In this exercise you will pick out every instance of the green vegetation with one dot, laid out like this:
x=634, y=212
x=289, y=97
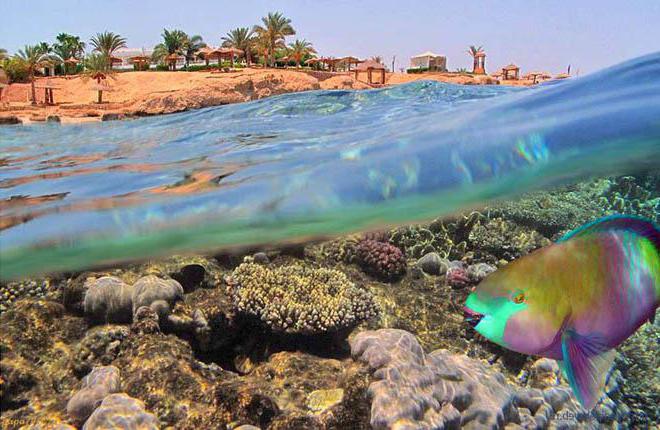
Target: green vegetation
x=68, y=47
x=299, y=50
x=34, y=57
x=272, y=33
x=474, y=51
x=173, y=44
x=417, y=70
x=241, y=38
x=107, y=43
x=191, y=46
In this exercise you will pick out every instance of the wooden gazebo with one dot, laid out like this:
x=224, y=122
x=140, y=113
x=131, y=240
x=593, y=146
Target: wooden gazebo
x=510, y=72
x=171, y=61
x=369, y=66
x=220, y=54
x=350, y=61
x=480, y=63
x=114, y=61
x=140, y=61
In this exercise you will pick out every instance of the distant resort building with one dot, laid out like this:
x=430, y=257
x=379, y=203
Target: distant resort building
x=429, y=61
x=123, y=58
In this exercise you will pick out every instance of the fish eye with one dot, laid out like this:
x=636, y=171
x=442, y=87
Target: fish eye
x=519, y=298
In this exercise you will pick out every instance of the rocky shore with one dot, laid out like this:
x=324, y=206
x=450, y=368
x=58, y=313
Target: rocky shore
x=360, y=332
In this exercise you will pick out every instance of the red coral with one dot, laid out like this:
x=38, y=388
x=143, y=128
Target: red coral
x=457, y=276
x=381, y=259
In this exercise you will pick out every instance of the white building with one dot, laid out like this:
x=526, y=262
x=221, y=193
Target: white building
x=429, y=60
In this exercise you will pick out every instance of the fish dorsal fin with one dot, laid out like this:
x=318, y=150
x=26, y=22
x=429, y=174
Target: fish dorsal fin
x=633, y=224
x=586, y=362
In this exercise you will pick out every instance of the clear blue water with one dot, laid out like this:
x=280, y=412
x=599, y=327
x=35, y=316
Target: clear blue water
x=312, y=164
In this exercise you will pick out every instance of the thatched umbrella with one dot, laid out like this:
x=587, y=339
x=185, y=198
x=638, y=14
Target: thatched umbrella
x=139, y=60
x=172, y=60
x=231, y=52
x=350, y=60
x=101, y=88
x=48, y=88
x=369, y=66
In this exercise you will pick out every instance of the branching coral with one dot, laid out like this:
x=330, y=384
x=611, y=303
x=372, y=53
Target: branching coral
x=297, y=299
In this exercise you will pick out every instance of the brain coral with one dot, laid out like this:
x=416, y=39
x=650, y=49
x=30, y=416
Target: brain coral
x=100, y=382
x=297, y=299
x=108, y=299
x=119, y=411
x=441, y=390
x=381, y=259
x=159, y=294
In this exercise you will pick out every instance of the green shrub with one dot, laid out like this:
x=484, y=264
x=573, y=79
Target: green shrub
x=162, y=67
x=200, y=67
x=17, y=70
x=418, y=70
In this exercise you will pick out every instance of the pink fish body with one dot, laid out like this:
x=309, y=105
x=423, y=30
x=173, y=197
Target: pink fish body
x=576, y=300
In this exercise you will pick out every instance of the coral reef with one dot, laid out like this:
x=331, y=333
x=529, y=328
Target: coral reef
x=433, y=264
x=120, y=411
x=380, y=259
x=457, y=275
x=100, y=382
x=159, y=294
x=108, y=299
x=505, y=239
x=38, y=289
x=297, y=299
x=412, y=389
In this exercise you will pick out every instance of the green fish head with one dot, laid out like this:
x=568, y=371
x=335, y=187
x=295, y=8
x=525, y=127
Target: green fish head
x=503, y=310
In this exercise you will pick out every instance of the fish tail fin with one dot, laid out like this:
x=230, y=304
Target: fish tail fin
x=586, y=363
x=638, y=225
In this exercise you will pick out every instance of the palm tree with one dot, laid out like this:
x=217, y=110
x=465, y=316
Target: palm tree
x=97, y=67
x=273, y=31
x=191, y=46
x=174, y=42
x=241, y=38
x=68, y=46
x=473, y=51
x=300, y=49
x=107, y=43
x=34, y=57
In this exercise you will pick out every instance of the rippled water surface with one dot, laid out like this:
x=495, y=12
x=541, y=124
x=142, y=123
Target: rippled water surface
x=309, y=164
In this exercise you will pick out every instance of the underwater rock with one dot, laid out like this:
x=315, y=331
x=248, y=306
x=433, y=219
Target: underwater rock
x=477, y=272
x=321, y=400
x=121, y=412
x=159, y=294
x=544, y=373
x=101, y=382
x=381, y=259
x=300, y=300
x=261, y=258
x=10, y=120
x=433, y=264
x=108, y=299
x=505, y=239
x=99, y=347
x=162, y=371
x=190, y=271
x=145, y=321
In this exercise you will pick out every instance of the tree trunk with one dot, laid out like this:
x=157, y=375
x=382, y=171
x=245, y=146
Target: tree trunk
x=34, y=91
x=100, y=98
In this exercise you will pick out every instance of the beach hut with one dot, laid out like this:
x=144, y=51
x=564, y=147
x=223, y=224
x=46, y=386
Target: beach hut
x=115, y=61
x=140, y=62
x=348, y=61
x=429, y=61
x=479, y=63
x=230, y=53
x=370, y=66
x=171, y=60
x=510, y=72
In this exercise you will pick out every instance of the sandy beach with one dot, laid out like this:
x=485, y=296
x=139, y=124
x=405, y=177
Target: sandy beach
x=154, y=93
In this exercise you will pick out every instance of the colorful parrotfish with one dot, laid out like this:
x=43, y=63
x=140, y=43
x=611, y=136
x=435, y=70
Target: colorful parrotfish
x=576, y=300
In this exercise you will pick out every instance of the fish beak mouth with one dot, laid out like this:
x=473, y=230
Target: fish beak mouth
x=471, y=317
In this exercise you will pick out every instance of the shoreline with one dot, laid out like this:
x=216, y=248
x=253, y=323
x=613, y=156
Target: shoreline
x=137, y=94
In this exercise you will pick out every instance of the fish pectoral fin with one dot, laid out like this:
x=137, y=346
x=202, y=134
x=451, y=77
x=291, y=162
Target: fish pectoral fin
x=586, y=362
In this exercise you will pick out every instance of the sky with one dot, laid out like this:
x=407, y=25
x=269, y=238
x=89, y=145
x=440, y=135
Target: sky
x=536, y=35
